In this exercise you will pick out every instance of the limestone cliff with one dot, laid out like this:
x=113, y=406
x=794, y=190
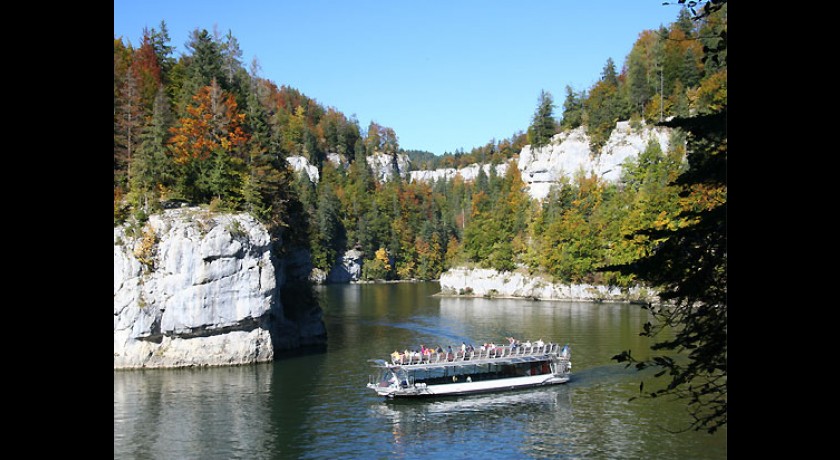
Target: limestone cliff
x=195, y=288
x=383, y=166
x=491, y=283
x=567, y=153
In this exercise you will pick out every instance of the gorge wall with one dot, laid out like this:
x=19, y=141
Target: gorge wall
x=567, y=153
x=195, y=288
x=540, y=168
x=478, y=282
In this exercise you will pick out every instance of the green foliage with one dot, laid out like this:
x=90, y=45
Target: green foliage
x=543, y=125
x=378, y=268
x=425, y=228
x=602, y=113
x=689, y=268
x=608, y=74
x=572, y=109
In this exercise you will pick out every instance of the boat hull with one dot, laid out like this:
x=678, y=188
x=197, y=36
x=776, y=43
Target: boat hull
x=463, y=388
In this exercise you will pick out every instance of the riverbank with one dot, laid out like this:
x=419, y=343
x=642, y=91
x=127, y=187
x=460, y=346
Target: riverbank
x=482, y=282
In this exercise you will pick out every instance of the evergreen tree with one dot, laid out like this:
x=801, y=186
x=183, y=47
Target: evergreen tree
x=691, y=73
x=328, y=235
x=602, y=112
x=543, y=125
x=608, y=73
x=152, y=168
x=159, y=40
x=638, y=81
x=266, y=186
x=128, y=114
x=684, y=23
x=201, y=66
x=572, y=110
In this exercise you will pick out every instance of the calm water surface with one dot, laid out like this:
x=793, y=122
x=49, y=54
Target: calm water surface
x=316, y=406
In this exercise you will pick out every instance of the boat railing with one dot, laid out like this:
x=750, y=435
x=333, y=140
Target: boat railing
x=499, y=351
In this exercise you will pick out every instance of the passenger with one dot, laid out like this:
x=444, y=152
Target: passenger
x=439, y=349
x=449, y=355
x=395, y=356
x=539, y=343
x=527, y=344
x=512, y=341
x=463, y=349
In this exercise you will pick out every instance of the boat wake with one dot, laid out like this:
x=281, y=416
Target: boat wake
x=430, y=328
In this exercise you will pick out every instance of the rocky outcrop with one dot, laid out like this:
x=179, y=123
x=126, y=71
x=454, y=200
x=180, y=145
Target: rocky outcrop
x=338, y=160
x=301, y=164
x=567, y=153
x=383, y=166
x=491, y=283
x=468, y=173
x=195, y=288
x=348, y=269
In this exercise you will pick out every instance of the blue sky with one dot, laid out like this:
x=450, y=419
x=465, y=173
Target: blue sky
x=443, y=74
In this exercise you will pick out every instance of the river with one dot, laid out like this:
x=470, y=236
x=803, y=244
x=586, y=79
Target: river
x=316, y=406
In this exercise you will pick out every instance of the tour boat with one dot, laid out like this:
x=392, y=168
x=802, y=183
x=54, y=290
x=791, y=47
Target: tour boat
x=486, y=369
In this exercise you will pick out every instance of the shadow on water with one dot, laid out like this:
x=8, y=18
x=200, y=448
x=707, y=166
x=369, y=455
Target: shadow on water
x=302, y=351
x=599, y=375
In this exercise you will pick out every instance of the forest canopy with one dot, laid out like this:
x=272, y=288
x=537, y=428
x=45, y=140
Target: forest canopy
x=207, y=129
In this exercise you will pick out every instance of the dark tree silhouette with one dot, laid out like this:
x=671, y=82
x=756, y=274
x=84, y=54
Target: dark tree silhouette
x=689, y=268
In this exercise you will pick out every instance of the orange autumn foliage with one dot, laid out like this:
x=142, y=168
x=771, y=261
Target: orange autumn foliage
x=212, y=122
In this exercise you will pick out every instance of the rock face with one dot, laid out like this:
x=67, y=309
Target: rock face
x=383, y=166
x=348, y=268
x=199, y=289
x=301, y=164
x=567, y=153
x=468, y=173
x=491, y=283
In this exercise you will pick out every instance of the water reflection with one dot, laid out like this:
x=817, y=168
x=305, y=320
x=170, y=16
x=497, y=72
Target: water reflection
x=605, y=328
x=500, y=422
x=316, y=406
x=192, y=413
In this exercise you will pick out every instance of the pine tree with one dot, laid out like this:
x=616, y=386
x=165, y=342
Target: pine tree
x=543, y=125
x=608, y=73
x=128, y=113
x=152, y=169
x=638, y=81
x=572, y=110
x=201, y=66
